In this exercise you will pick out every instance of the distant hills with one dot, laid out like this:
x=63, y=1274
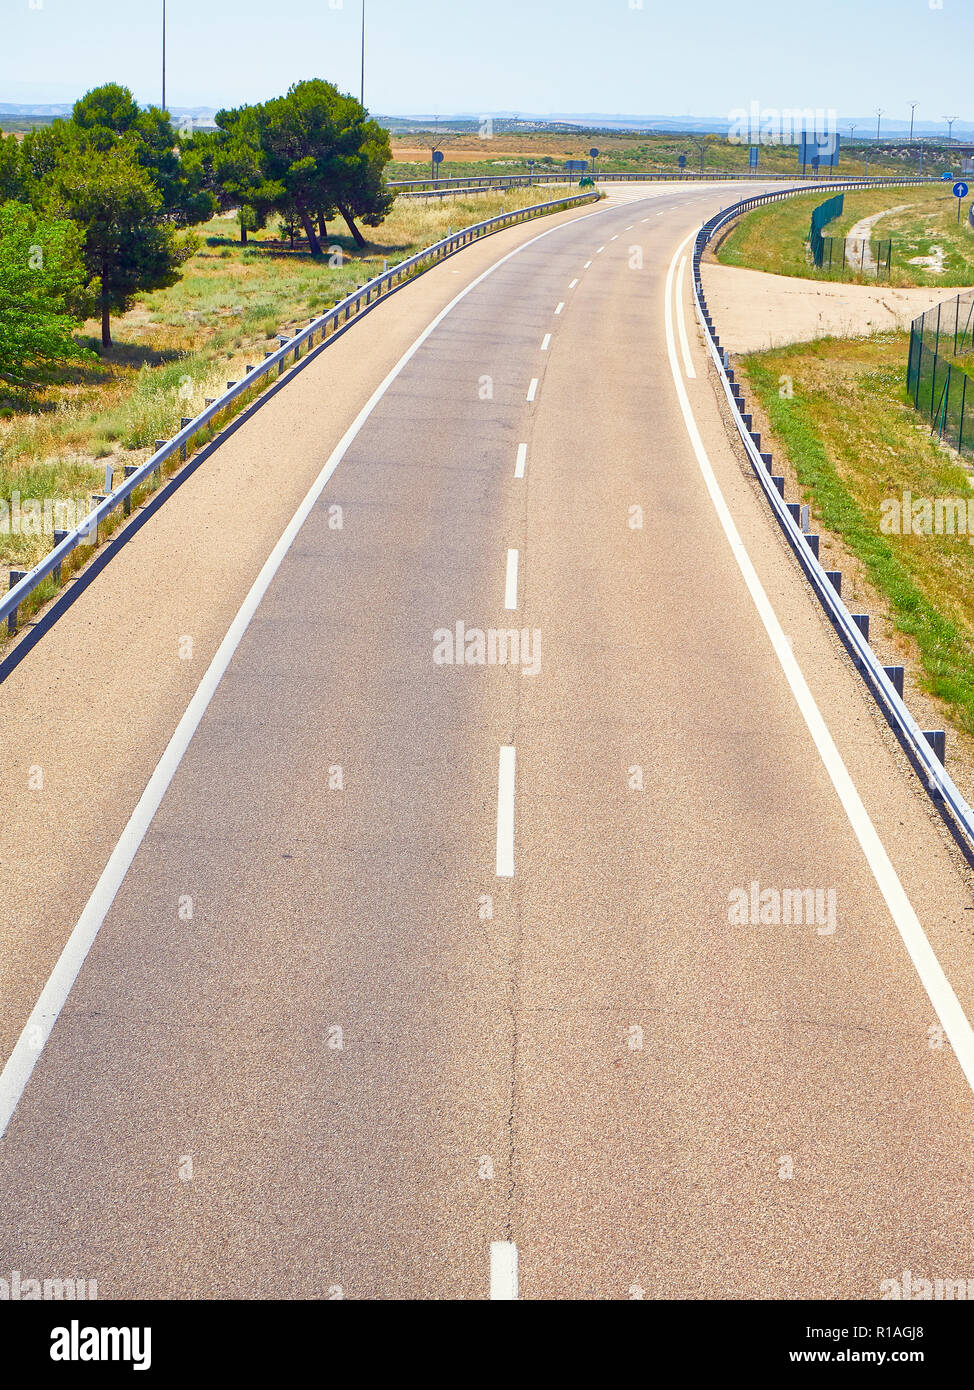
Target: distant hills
x=579, y=120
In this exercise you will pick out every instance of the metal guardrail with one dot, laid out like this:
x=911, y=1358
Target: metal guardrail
x=884, y=682
x=22, y=584
x=458, y=190
x=459, y=183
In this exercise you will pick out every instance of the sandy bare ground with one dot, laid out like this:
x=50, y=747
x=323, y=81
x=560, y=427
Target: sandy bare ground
x=859, y=252
x=754, y=311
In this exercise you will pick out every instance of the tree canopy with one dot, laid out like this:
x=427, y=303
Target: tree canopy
x=129, y=245
x=315, y=151
x=44, y=294
x=102, y=201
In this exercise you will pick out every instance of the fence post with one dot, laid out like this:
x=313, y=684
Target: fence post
x=945, y=401
x=963, y=400
x=936, y=355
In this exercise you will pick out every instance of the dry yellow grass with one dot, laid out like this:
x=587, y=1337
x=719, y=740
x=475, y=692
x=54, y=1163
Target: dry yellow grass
x=178, y=346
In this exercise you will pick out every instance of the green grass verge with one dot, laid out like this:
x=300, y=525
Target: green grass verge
x=853, y=440
x=774, y=238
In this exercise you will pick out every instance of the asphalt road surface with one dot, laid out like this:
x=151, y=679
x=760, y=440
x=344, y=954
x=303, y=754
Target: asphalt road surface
x=424, y=970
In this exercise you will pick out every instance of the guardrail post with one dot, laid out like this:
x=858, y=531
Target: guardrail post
x=861, y=621
x=835, y=579
x=161, y=444
x=896, y=674
x=15, y=577
x=97, y=498
x=184, y=422
x=937, y=740
x=128, y=470
x=58, y=538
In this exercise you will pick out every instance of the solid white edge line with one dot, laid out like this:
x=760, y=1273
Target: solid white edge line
x=939, y=989
x=503, y=1271
x=546, y=342
x=681, y=322
x=533, y=388
x=510, y=582
x=506, y=763
x=522, y=455
x=36, y=1031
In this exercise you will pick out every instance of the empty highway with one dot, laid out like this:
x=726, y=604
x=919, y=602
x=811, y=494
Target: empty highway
x=371, y=965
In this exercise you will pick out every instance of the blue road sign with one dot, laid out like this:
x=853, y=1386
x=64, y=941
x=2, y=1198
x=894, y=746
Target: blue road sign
x=437, y=156
x=817, y=149
x=574, y=165
x=594, y=154
x=682, y=161
x=960, y=190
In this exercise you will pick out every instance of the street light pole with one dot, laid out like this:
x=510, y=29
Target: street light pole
x=879, y=117
x=163, y=55
x=363, y=52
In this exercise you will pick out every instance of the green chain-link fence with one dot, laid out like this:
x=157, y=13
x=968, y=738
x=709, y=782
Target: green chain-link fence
x=936, y=378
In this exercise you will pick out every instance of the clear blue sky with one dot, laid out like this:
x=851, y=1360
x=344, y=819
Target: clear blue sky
x=440, y=56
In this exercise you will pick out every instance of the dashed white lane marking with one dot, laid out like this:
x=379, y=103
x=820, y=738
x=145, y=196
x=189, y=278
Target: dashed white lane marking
x=939, y=989
x=629, y=228
x=36, y=1031
x=546, y=342
x=600, y=250
x=533, y=388
x=510, y=582
x=659, y=214
x=522, y=458
x=505, y=812
x=560, y=307
x=573, y=284
x=503, y=1270
x=681, y=323
x=614, y=238
x=644, y=219
x=586, y=265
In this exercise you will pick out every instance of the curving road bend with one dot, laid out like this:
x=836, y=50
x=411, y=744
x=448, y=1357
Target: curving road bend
x=418, y=961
